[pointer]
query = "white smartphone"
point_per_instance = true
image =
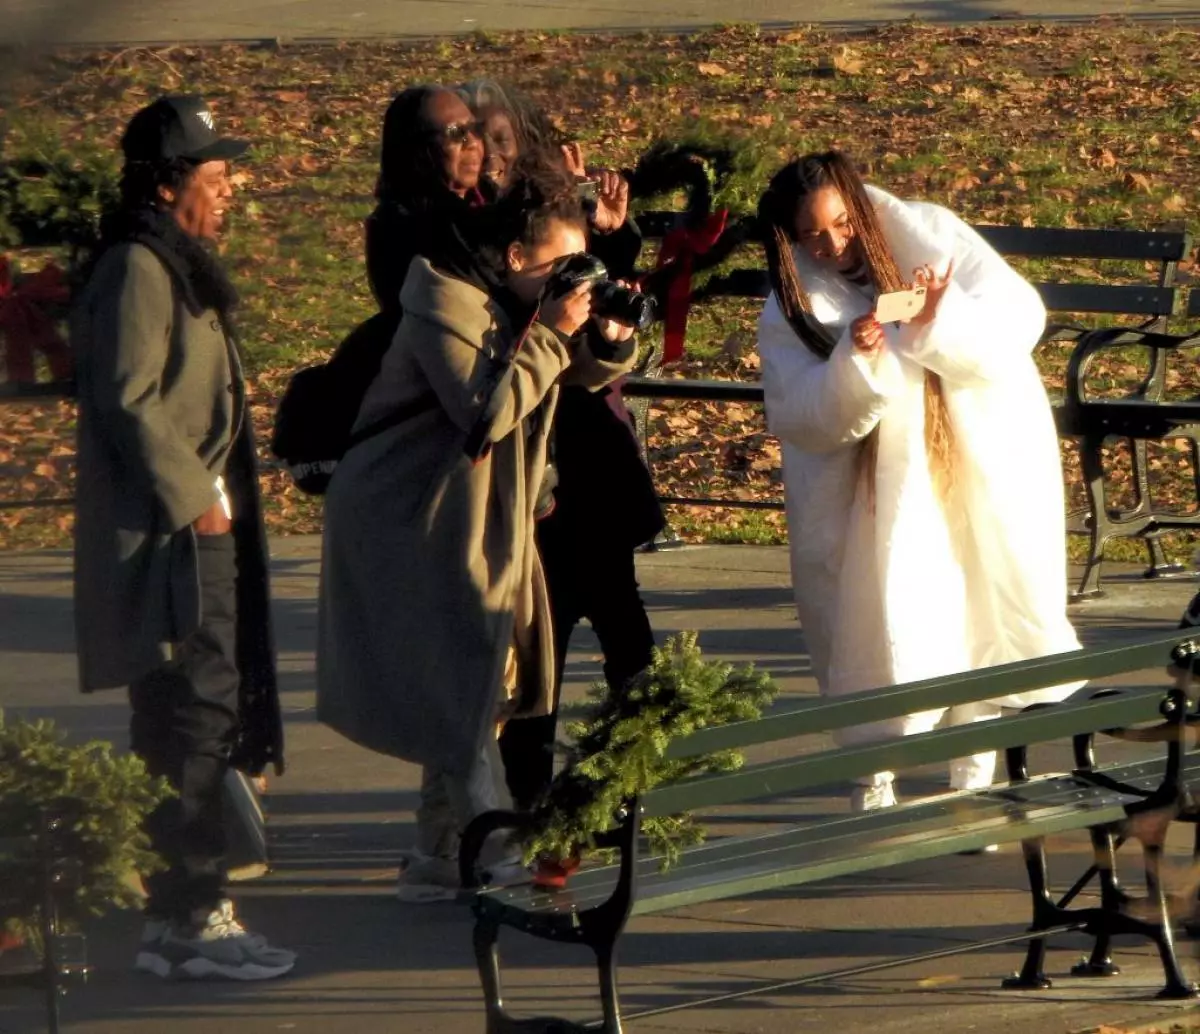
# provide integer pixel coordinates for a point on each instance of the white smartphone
(900, 306)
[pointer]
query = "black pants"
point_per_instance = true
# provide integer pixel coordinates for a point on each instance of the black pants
(183, 726)
(585, 580)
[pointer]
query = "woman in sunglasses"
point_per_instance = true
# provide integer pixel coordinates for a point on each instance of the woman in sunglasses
(430, 170)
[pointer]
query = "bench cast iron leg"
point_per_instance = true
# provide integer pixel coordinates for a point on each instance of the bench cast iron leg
(1192, 923)
(606, 964)
(1032, 975)
(1100, 526)
(1100, 963)
(1157, 564)
(1177, 986)
(487, 958)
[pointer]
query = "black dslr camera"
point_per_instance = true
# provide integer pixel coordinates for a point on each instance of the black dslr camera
(609, 300)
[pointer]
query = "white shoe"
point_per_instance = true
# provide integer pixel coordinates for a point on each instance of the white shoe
(218, 946)
(509, 873)
(873, 797)
(426, 878)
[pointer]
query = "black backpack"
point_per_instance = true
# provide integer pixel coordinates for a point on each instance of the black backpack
(316, 415)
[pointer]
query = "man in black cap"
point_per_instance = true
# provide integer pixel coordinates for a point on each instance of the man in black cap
(171, 590)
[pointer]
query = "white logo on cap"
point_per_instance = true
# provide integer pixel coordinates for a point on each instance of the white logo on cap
(206, 118)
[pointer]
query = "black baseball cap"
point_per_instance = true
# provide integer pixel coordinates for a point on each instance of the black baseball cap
(177, 127)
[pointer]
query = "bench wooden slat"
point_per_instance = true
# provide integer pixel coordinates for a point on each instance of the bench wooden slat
(1134, 299)
(1029, 241)
(1136, 418)
(829, 713)
(842, 850)
(1056, 242)
(20, 392)
(846, 763)
(688, 388)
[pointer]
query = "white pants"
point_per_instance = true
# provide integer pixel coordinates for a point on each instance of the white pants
(969, 773)
(449, 802)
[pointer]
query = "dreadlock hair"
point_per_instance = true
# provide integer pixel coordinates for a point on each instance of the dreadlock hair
(777, 210)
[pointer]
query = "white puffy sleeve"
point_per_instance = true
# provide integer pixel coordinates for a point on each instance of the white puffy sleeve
(990, 318)
(815, 404)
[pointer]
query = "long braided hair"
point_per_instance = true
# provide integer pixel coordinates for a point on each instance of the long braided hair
(777, 210)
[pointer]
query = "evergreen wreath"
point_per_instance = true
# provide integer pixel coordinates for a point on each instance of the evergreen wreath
(620, 751)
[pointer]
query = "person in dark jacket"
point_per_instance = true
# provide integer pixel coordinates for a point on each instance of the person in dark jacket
(605, 505)
(430, 168)
(171, 588)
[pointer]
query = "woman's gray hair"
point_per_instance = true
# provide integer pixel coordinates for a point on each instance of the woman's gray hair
(529, 122)
(480, 94)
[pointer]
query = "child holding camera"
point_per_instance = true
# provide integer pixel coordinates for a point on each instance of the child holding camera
(921, 468)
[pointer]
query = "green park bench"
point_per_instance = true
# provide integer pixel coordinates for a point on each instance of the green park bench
(1150, 303)
(597, 904)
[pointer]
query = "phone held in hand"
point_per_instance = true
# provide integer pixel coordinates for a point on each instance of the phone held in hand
(588, 190)
(900, 306)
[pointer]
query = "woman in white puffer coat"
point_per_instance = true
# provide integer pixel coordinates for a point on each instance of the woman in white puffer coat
(921, 467)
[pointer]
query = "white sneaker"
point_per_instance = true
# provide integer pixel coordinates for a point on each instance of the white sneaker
(873, 797)
(426, 878)
(217, 947)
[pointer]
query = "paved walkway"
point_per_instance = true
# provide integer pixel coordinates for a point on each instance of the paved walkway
(172, 21)
(371, 965)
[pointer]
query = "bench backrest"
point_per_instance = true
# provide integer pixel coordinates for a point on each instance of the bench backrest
(1108, 709)
(829, 713)
(1155, 301)
(1087, 712)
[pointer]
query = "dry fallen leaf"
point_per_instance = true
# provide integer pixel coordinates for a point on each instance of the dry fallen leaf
(937, 981)
(1136, 181)
(711, 68)
(847, 61)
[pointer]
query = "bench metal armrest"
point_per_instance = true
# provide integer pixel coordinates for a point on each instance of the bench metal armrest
(478, 830)
(1094, 342)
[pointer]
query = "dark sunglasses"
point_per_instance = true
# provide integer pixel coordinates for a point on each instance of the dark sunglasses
(457, 132)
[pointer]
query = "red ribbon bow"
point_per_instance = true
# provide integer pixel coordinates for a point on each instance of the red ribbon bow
(27, 327)
(680, 248)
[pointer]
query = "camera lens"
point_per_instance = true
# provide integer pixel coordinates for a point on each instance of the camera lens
(621, 305)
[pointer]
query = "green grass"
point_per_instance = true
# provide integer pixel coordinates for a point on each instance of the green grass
(1005, 123)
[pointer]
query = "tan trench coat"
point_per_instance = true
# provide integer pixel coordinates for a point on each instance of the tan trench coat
(430, 572)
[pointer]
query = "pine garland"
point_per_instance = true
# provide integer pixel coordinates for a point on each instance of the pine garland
(102, 800)
(620, 750)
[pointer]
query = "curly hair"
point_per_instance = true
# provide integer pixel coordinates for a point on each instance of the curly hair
(541, 194)
(777, 209)
(542, 191)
